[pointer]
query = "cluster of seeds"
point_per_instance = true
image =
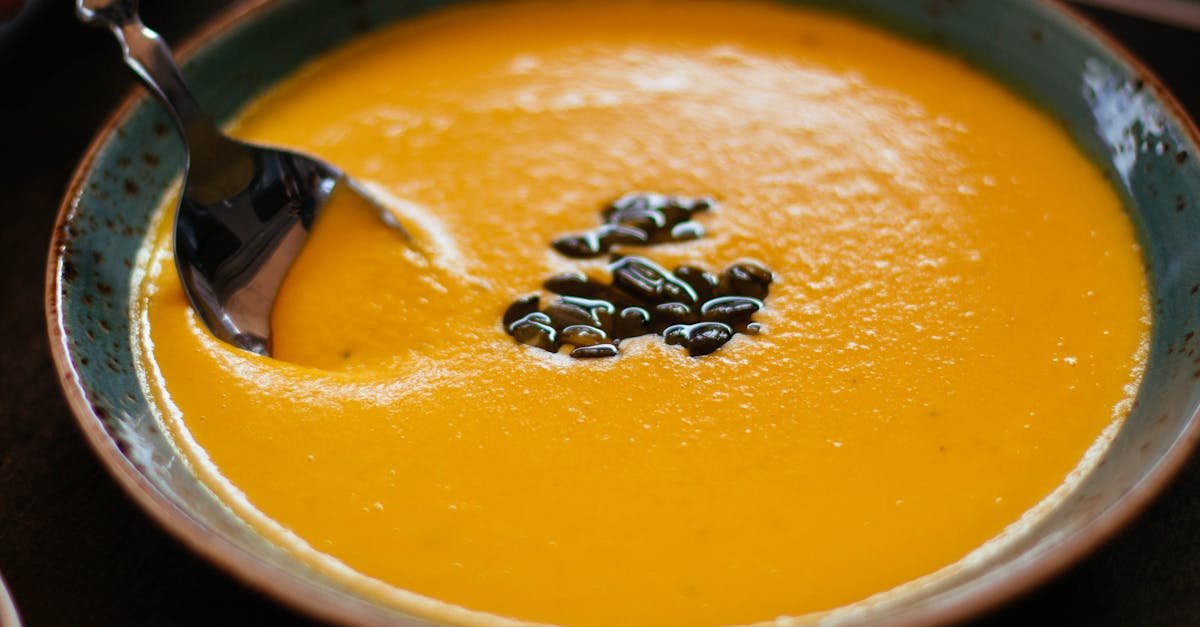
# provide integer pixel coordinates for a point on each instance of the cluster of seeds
(689, 307)
(638, 219)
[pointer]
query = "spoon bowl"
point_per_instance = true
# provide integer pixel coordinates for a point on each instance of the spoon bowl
(246, 210)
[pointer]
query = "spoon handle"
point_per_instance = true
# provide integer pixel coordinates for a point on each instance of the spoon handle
(212, 156)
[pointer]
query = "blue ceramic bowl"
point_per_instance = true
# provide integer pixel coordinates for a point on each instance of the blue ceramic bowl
(1117, 112)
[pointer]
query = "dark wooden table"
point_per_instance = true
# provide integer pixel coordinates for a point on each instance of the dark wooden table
(76, 551)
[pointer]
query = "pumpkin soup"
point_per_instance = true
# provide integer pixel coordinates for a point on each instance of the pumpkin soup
(949, 310)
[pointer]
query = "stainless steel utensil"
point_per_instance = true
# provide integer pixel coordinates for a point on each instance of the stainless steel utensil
(245, 211)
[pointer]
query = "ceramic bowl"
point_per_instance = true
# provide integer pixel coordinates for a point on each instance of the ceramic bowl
(1116, 111)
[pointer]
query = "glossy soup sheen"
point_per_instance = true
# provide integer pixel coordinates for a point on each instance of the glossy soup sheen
(959, 312)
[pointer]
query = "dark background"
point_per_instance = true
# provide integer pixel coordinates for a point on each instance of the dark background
(76, 551)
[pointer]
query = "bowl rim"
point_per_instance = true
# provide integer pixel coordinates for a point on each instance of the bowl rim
(329, 605)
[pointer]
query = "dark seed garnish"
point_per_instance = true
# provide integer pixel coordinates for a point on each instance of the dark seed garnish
(600, 311)
(535, 334)
(647, 221)
(673, 313)
(591, 352)
(699, 339)
(634, 201)
(596, 350)
(686, 231)
(701, 282)
(575, 284)
(746, 279)
(609, 235)
(689, 307)
(631, 322)
(638, 219)
(707, 337)
(648, 281)
(578, 246)
(676, 334)
(533, 316)
(581, 335)
(730, 309)
(563, 314)
(523, 307)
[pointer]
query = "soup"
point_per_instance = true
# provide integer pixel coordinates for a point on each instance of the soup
(956, 318)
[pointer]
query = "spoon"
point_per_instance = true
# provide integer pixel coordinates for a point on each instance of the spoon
(245, 211)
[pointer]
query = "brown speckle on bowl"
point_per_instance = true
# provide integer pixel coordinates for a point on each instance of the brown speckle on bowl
(69, 272)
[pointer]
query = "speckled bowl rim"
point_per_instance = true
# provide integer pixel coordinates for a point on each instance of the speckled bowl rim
(972, 598)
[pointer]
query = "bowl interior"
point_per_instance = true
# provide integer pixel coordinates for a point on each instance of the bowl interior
(1116, 113)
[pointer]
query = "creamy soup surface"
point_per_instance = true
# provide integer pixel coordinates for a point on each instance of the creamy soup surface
(958, 314)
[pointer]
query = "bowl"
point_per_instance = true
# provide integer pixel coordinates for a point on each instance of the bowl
(1117, 112)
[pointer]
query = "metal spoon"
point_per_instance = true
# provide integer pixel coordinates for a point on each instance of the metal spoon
(246, 210)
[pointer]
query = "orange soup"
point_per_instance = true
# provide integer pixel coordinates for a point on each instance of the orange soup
(957, 317)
